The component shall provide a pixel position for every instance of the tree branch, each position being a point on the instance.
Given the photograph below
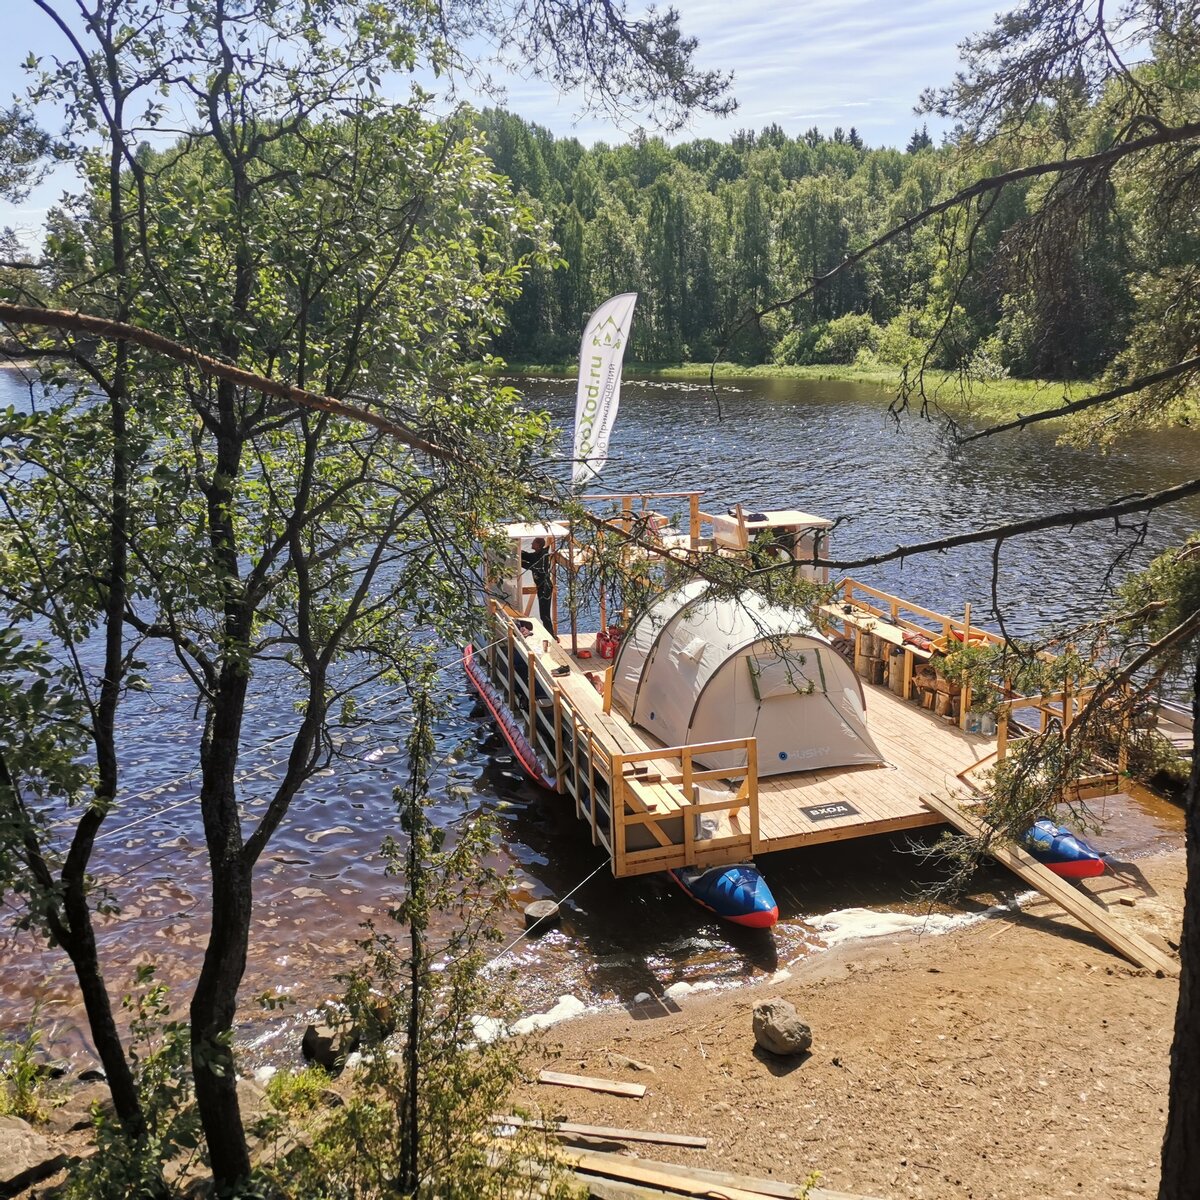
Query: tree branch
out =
(53, 318)
(1082, 405)
(1141, 502)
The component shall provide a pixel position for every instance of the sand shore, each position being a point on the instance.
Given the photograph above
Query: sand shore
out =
(1016, 1058)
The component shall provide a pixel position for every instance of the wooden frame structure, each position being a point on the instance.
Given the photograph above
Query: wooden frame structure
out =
(654, 807)
(639, 803)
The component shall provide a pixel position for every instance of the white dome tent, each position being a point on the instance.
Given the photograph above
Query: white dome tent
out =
(695, 668)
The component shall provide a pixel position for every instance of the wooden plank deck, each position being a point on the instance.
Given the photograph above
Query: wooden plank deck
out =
(923, 754)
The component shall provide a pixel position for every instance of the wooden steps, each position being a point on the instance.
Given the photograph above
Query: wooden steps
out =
(1077, 903)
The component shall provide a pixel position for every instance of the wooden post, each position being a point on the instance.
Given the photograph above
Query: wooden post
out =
(618, 819)
(559, 758)
(608, 686)
(689, 813)
(752, 788)
(616, 801)
(1068, 704)
(908, 672)
(531, 658)
(964, 696)
(552, 551)
(512, 674)
(694, 520)
(575, 766)
(592, 784)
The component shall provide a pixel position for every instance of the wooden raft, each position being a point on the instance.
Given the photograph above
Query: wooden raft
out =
(1077, 903)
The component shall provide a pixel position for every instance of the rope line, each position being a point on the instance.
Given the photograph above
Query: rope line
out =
(187, 775)
(526, 932)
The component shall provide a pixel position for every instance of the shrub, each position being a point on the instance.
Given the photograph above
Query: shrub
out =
(122, 1167)
(843, 338)
(20, 1075)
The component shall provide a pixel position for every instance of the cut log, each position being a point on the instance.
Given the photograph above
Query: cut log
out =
(614, 1087)
(1079, 904)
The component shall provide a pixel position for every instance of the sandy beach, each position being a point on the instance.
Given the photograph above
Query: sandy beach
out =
(1014, 1058)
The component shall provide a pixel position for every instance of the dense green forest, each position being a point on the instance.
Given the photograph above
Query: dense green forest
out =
(708, 232)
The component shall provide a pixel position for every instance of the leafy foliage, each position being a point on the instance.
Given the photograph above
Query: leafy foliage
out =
(417, 1117)
(21, 1077)
(159, 1049)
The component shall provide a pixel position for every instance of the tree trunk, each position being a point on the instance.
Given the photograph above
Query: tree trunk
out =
(81, 949)
(1181, 1146)
(214, 1004)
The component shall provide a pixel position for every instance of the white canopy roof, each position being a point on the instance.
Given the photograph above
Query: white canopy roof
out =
(697, 667)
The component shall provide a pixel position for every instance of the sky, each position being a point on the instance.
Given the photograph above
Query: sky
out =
(796, 63)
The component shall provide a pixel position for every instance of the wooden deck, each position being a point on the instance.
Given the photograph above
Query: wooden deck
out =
(648, 803)
(923, 754)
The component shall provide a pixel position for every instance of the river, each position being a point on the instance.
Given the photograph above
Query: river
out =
(823, 447)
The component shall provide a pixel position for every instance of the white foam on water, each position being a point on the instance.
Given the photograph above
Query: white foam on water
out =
(566, 1008)
(489, 1029)
(683, 988)
(853, 924)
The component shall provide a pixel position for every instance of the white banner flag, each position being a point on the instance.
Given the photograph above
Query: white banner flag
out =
(600, 355)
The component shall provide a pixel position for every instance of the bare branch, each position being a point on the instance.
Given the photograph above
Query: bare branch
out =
(1141, 502)
(1082, 405)
(52, 318)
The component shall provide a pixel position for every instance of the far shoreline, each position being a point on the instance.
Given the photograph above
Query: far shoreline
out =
(992, 399)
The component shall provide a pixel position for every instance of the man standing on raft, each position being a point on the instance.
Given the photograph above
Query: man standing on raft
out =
(539, 563)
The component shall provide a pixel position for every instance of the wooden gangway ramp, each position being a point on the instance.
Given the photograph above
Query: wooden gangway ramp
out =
(1074, 901)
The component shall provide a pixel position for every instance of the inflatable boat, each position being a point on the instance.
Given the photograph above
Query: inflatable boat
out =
(509, 728)
(738, 894)
(1063, 852)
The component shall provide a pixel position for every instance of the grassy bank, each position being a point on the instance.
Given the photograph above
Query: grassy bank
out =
(993, 399)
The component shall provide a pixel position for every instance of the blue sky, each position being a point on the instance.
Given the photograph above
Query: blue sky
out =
(797, 63)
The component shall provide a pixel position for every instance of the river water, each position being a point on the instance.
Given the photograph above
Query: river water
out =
(823, 447)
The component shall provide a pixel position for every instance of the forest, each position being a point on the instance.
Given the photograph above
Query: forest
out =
(708, 232)
(252, 442)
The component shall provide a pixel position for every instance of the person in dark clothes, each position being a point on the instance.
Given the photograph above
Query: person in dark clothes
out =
(538, 562)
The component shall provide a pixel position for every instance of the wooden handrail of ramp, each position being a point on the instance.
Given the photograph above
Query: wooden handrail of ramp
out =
(1081, 906)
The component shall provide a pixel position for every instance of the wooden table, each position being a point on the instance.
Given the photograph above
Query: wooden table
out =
(862, 620)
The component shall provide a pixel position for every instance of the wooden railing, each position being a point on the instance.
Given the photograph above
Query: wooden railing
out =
(631, 810)
(637, 505)
(582, 742)
(895, 608)
(945, 634)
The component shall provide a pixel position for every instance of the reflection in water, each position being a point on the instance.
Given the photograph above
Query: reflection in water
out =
(823, 447)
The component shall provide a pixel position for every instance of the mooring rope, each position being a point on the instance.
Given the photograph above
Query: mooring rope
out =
(187, 775)
(526, 932)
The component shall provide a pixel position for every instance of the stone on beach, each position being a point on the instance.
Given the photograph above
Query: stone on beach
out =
(778, 1028)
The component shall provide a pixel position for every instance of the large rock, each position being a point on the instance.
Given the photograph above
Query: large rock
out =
(778, 1029)
(26, 1157)
(328, 1043)
(75, 1112)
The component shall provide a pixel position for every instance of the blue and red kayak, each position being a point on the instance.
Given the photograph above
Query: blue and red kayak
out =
(1063, 852)
(738, 894)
